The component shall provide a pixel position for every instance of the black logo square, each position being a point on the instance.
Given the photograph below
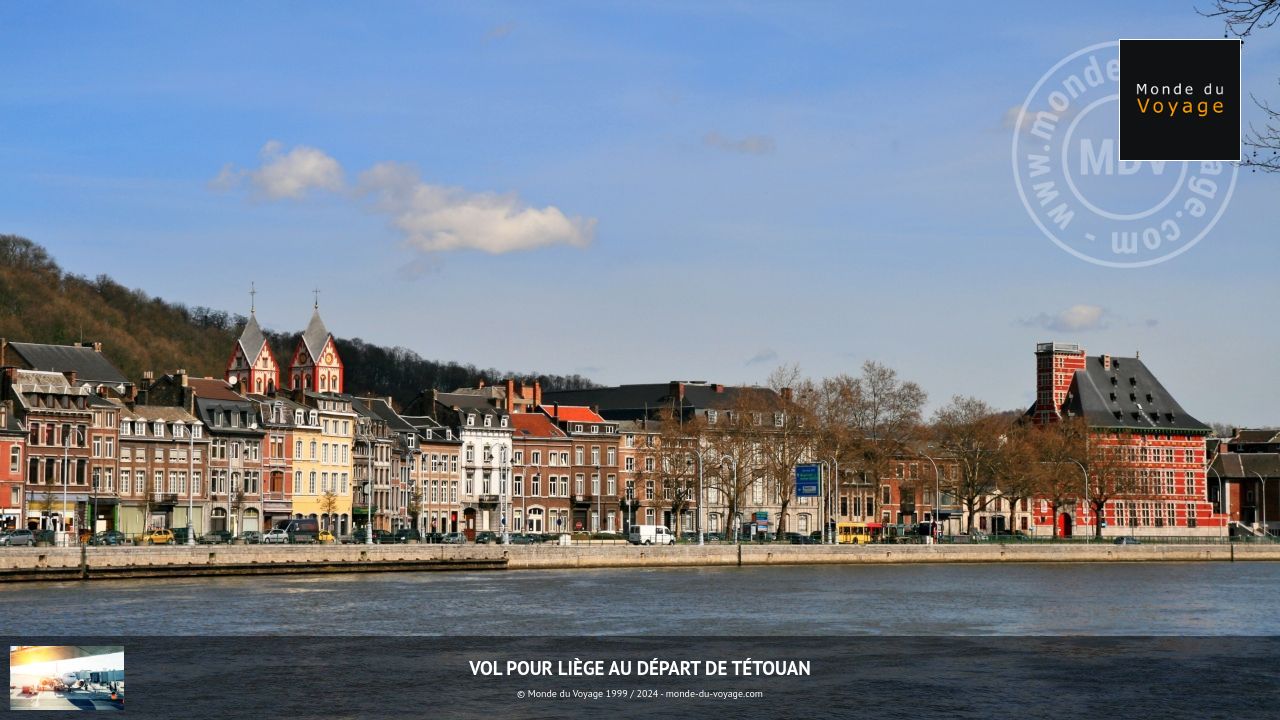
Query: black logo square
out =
(1180, 100)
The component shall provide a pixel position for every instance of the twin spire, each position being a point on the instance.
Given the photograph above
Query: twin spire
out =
(314, 366)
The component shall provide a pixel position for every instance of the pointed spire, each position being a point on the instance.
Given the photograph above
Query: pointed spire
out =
(253, 292)
(316, 335)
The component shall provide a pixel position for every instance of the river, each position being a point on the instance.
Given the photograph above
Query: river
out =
(944, 599)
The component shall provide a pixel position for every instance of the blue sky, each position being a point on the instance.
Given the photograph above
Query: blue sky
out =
(682, 190)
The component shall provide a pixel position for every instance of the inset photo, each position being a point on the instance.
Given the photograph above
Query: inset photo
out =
(66, 677)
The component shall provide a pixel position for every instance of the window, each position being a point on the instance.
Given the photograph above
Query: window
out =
(595, 484)
(488, 420)
(613, 485)
(15, 460)
(579, 484)
(595, 456)
(648, 490)
(629, 463)
(611, 456)
(578, 456)
(311, 484)
(536, 457)
(535, 485)
(650, 464)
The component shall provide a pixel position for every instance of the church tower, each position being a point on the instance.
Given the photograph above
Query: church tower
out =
(252, 367)
(316, 365)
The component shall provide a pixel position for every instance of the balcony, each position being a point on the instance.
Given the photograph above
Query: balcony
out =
(487, 499)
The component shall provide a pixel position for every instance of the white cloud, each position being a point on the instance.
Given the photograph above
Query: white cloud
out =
(435, 218)
(1077, 318)
(749, 145)
(285, 175)
(432, 218)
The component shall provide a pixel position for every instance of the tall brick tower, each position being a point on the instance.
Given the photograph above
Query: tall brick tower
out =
(1056, 365)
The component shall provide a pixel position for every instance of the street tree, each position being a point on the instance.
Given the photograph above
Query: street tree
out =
(971, 435)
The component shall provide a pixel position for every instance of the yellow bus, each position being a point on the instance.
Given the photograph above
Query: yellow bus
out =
(859, 533)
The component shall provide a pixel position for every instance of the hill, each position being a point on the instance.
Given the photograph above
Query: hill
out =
(41, 303)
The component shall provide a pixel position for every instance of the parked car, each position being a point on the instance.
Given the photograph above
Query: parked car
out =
(18, 537)
(453, 539)
(325, 537)
(161, 536)
(278, 536)
(433, 538)
(524, 539)
(108, 537)
(1128, 540)
(407, 535)
(799, 539)
(300, 530)
(250, 537)
(487, 537)
(217, 537)
(379, 536)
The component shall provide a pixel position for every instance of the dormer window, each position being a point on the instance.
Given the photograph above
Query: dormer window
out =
(577, 428)
(471, 420)
(595, 429)
(179, 430)
(314, 419)
(141, 427)
(504, 422)
(126, 428)
(711, 417)
(197, 431)
(157, 428)
(488, 420)
(777, 419)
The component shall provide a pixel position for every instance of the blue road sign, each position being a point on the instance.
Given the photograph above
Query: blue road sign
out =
(808, 480)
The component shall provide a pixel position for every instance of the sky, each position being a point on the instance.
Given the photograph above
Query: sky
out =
(637, 192)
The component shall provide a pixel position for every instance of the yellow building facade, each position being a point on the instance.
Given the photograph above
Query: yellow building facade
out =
(322, 465)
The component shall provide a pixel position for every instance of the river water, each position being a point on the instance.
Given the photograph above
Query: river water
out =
(1017, 599)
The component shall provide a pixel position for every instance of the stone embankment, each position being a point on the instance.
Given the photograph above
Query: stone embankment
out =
(131, 562)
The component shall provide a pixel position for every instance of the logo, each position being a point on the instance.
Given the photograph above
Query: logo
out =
(1106, 211)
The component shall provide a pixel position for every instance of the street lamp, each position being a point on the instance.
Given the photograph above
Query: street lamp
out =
(191, 479)
(66, 446)
(937, 496)
(1222, 497)
(1263, 482)
(368, 515)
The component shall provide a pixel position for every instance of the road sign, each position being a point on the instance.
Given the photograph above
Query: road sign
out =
(808, 480)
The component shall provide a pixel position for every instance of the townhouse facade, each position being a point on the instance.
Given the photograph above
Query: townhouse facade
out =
(595, 495)
(162, 469)
(324, 459)
(540, 453)
(436, 476)
(12, 462)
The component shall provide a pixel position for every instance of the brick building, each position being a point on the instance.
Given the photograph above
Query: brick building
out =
(12, 442)
(540, 453)
(1162, 447)
(594, 493)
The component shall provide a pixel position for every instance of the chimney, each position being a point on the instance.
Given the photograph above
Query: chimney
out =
(481, 383)
(786, 394)
(555, 411)
(97, 347)
(676, 390)
(71, 376)
(511, 394)
(537, 392)
(718, 388)
(182, 377)
(1106, 362)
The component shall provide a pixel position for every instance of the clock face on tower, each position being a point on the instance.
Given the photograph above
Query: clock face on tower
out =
(328, 358)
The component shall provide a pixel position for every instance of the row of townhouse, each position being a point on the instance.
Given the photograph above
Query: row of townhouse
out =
(83, 447)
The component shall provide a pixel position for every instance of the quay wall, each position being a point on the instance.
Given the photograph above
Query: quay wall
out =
(124, 562)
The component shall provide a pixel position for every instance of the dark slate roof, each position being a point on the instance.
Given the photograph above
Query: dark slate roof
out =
(252, 339)
(473, 403)
(1242, 466)
(315, 336)
(381, 410)
(626, 402)
(89, 365)
(1127, 396)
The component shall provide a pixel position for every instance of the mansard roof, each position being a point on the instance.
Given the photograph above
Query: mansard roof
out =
(1123, 393)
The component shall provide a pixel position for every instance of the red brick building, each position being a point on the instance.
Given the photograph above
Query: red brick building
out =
(1160, 444)
(594, 490)
(12, 442)
(540, 453)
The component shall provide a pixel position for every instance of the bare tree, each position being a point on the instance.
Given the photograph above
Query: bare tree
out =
(734, 457)
(971, 434)
(1111, 475)
(328, 506)
(1016, 470)
(1241, 18)
(1058, 478)
(880, 417)
(786, 435)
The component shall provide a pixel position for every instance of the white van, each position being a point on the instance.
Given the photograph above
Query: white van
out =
(651, 535)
